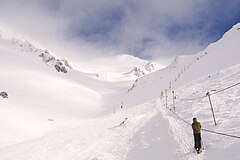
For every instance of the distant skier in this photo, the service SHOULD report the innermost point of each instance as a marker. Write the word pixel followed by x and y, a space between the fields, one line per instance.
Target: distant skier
pixel 196 126
pixel 123 121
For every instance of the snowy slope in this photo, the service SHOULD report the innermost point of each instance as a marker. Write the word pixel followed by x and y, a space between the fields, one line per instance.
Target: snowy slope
pixel 226 108
pixel 37 94
pixel 104 138
pixel 77 115
pixel 123 66
pixel 42 98
pixel 183 69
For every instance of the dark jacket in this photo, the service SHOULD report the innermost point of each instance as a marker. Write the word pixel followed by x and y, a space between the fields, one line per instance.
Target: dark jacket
pixel 196 126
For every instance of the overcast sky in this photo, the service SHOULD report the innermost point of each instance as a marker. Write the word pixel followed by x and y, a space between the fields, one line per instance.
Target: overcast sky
pixel 145 28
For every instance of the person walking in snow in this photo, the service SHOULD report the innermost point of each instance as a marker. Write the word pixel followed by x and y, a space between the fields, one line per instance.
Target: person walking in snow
pixel 196 126
pixel 123 121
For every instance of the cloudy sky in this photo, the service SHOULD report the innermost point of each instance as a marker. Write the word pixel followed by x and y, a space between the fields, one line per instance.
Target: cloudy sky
pixel 145 28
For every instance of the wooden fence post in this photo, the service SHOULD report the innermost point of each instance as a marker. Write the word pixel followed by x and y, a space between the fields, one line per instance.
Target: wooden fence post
pixel 173 102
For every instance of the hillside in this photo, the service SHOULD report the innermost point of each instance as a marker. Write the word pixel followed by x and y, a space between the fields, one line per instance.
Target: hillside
pixel 110 113
pixel 219 55
pixel 47 93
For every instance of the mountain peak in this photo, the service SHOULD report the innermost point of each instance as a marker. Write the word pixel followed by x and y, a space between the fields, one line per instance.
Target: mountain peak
pixel 25 47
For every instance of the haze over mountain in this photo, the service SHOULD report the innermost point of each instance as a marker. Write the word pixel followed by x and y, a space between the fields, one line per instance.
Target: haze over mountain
pixel 89 29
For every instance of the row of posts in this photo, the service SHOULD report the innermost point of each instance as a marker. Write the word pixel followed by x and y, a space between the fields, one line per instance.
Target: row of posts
pixel 173 96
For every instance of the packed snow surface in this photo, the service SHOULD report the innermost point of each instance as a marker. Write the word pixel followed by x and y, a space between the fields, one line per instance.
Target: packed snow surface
pixel 110 113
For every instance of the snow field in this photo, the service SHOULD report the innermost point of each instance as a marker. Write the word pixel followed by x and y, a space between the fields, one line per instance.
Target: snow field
pixel 40 99
pixel 100 138
pixel 226 108
pixel 77 116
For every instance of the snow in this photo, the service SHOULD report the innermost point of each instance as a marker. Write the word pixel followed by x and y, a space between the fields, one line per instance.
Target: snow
pixel 226 108
pixel 37 93
pixel 77 115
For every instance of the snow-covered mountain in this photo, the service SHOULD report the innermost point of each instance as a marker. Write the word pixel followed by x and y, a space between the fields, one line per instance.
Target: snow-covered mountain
pixel 219 55
pixel 123 66
pixel 24 47
pixel 147 68
pixel 101 111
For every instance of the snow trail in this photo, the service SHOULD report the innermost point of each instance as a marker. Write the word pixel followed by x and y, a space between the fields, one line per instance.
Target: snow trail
pixel 180 132
pixel 226 109
pixel 93 139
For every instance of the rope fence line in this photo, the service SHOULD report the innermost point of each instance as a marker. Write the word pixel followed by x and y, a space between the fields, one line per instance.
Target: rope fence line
pixel 217 91
pixel 203 129
pixel 225 88
pixel 223 134
pixel 191 99
pixel 208 94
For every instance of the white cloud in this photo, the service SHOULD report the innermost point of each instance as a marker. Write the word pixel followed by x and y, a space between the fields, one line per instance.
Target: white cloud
pixel 83 28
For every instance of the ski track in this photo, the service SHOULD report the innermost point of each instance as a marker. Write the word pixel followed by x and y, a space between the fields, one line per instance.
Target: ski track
pixel 178 130
pixel 98 139
pixel 226 108
pixel 103 138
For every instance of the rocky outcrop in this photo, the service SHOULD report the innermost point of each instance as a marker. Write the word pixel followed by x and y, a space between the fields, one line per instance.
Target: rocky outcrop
pixel 143 70
pixel 150 67
pixel 137 72
pixel 4 94
pixel 60 65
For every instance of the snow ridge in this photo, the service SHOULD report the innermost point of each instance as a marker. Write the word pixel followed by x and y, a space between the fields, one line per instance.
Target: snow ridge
pixel 140 71
pixel 25 47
